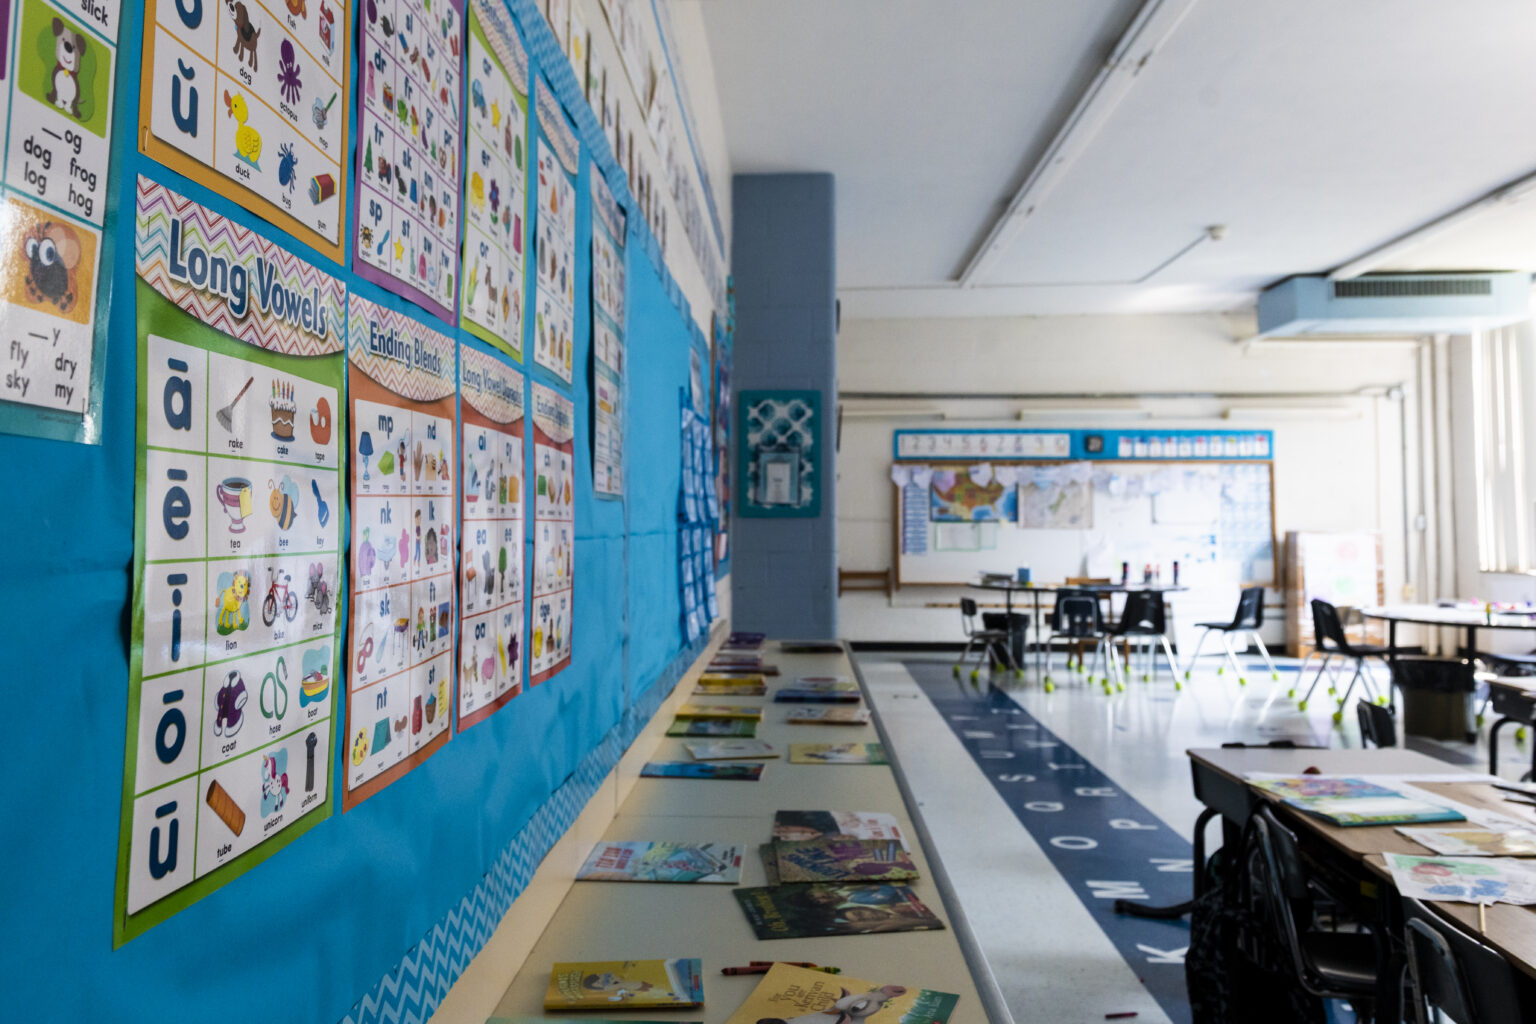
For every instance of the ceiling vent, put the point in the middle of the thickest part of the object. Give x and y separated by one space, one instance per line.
1395 304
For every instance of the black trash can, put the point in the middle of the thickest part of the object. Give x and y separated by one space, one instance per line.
1437 697
1017 625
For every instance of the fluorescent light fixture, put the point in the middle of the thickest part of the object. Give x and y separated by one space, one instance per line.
1252 413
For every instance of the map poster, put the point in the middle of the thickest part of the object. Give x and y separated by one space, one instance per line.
401 386
554 247
554 531
56 84
409 145
496 190
958 498
237 548
253 94
607 342
491 537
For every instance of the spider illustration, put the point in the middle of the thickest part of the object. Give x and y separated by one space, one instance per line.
288 73
287 166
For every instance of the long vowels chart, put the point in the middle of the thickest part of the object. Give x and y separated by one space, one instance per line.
56 84
400 386
238 519
554 248
607 341
409 149
491 536
495 186
254 93
554 533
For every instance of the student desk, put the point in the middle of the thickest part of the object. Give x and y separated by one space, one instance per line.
1455 618
631 920
1353 855
1102 590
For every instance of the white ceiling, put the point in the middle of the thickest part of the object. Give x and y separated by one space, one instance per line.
1316 130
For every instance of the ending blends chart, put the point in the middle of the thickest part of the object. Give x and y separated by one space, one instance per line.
491 570
253 92
410 136
401 386
554 311
554 532
607 341
56 83
236 556
496 194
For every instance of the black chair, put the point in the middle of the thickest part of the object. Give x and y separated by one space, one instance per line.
1077 616
1449 970
1330 964
1328 634
1512 706
991 641
1378 725
1145 617
1245 623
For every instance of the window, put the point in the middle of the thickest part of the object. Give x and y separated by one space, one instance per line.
1504 404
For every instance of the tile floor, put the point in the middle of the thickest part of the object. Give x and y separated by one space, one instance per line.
1056 951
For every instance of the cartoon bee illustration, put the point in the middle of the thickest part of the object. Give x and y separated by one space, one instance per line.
53 253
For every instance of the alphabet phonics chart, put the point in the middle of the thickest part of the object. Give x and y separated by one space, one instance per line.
253 92
554 316
491 564
496 192
56 81
400 649
554 531
235 565
607 341
409 152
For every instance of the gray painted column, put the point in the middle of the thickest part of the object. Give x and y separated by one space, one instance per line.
784 571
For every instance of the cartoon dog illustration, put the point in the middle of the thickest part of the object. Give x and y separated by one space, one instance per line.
52 251
246 36
68 48
850 1008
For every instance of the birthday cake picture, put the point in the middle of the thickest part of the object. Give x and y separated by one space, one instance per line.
283 409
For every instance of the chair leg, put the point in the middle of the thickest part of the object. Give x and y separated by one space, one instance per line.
970 645
1274 673
1189 668
1167 653
1226 646
1114 679
1338 714
1301 705
1301 673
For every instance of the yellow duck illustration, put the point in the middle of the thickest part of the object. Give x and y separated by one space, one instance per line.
477 190
247 139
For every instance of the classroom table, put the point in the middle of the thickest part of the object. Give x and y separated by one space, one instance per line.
1469 619
1039 645
1513 699
1354 854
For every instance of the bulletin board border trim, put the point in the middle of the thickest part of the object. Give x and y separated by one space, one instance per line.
1274 581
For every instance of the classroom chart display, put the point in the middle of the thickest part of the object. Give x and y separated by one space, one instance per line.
496 192
253 93
237 556
554 532
698 510
607 341
410 141
56 83
1098 445
400 386
554 248
491 536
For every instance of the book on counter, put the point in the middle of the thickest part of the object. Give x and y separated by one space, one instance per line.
728 750
738 658
804 911
789 993
810 647
611 984
713 727
718 669
746 686
797 695
744 641
709 679
701 770
792 825
662 862
837 753
748 711
1349 802
821 715
841 859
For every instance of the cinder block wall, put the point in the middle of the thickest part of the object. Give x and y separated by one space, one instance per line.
784 571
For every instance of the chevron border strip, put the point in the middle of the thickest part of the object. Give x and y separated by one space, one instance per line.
412 991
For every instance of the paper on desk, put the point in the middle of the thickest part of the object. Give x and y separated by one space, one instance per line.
1474 842
1463 879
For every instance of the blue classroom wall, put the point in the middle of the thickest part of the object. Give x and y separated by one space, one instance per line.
371 914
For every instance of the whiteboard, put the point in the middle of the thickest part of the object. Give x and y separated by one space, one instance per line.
1215 519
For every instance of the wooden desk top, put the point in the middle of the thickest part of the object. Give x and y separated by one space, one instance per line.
1510 929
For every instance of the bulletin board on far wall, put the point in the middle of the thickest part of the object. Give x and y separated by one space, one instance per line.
1082 503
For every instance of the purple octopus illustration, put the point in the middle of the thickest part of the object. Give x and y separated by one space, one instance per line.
288 73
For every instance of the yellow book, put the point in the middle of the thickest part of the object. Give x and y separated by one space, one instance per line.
798 993
613 984
720 711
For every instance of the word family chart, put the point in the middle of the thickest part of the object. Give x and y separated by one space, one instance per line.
554 531
554 317
236 572
410 132
401 384
253 92
491 570
607 341
56 83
